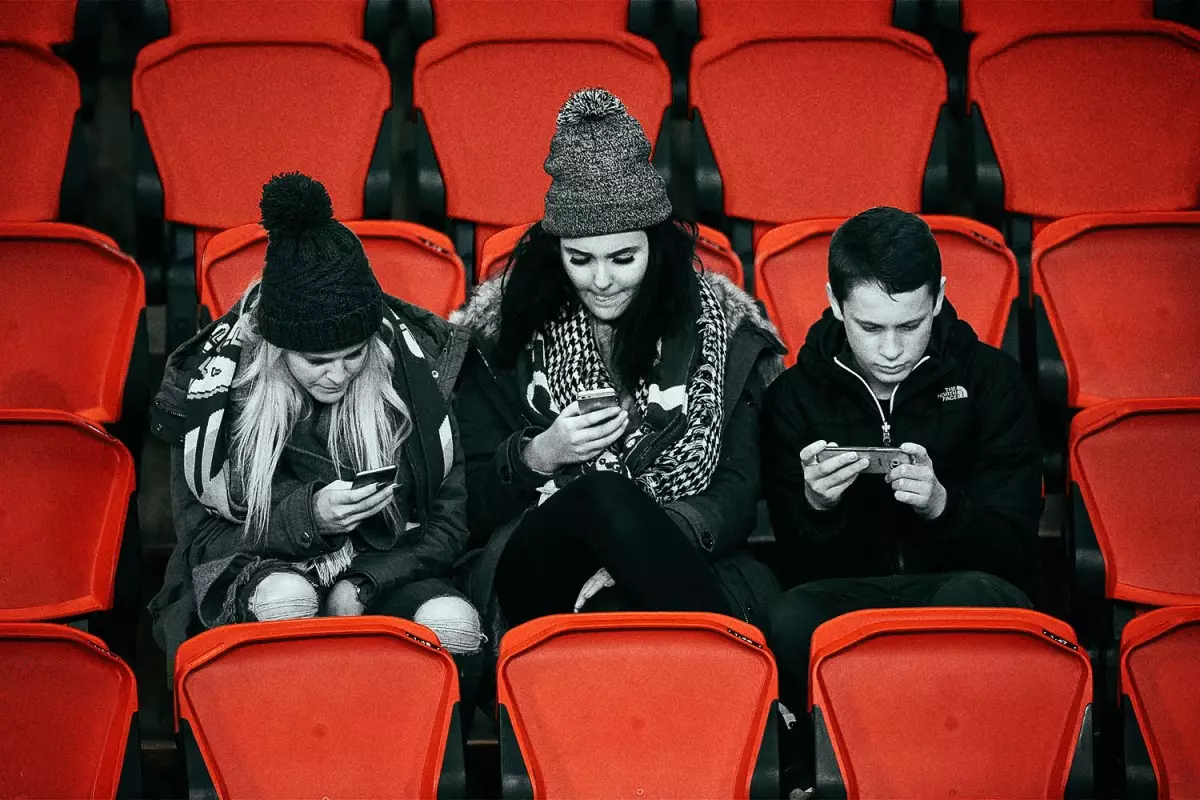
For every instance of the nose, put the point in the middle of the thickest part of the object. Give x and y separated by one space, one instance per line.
336 373
602 277
890 347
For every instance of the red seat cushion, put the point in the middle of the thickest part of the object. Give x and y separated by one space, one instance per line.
67 488
1100 119
341 19
1160 666
67 704
1136 475
218 136
41 96
70 302
410 261
792 268
1121 293
822 124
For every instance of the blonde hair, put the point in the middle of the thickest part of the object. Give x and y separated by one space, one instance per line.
367 425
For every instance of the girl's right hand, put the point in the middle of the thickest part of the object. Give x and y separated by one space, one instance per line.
575 438
338 509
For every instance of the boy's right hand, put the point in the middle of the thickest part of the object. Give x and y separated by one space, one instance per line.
575 438
826 481
338 509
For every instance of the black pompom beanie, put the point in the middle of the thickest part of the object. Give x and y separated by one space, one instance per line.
318 292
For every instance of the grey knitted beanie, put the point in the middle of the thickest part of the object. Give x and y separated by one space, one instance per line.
318 292
599 163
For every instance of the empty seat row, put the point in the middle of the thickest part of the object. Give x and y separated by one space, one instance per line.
906 702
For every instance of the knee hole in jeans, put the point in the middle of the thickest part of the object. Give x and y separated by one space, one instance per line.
283 595
455 621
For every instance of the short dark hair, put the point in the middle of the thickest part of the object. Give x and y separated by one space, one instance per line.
890 248
538 291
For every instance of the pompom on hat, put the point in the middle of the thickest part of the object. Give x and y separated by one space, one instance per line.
602 180
318 292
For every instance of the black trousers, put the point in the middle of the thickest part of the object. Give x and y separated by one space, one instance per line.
797 613
603 519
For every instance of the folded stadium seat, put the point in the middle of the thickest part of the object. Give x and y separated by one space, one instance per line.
789 122
72 304
1100 117
68 487
335 706
68 706
217 117
792 265
412 262
712 248
487 89
950 702
645 704
42 169
1160 666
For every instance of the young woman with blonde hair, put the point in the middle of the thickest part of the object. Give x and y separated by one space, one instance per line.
314 376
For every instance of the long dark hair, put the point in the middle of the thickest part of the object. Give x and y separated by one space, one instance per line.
537 291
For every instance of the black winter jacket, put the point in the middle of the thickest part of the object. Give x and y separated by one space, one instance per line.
967 404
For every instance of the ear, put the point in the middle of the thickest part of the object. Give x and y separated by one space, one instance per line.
833 303
941 295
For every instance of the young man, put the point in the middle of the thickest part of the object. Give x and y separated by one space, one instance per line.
890 365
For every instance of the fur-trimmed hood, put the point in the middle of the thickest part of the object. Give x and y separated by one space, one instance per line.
481 315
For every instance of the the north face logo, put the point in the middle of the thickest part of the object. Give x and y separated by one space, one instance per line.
952 393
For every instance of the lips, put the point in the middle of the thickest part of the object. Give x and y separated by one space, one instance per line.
892 370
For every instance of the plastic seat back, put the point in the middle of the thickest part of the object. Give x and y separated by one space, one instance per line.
217 136
410 261
489 101
613 705
818 124
485 18
1097 119
41 22
1160 666
746 17
989 16
337 707
1120 293
958 702
1132 463
267 18
67 489
41 97
67 705
792 268
712 248
70 303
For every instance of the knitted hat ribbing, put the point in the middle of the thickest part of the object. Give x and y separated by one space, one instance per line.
318 292
602 178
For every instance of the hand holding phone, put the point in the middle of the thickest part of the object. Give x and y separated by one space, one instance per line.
827 478
597 399
880 460
341 506
371 476
577 435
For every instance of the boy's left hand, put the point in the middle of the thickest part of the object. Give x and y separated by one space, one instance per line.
916 484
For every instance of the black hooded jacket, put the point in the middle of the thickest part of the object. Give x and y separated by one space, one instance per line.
966 403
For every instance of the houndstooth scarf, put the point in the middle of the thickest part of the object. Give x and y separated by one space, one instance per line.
674 452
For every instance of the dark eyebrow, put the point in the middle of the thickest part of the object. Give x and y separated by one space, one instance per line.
327 359
575 252
625 251
862 323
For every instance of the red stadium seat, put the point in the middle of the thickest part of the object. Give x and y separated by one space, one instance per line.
1133 477
412 262
712 248
41 99
488 87
652 704
335 706
759 17
989 16
41 22
71 302
1084 120
792 268
67 705
814 124
1160 666
318 19
1120 294
950 702
67 486
213 137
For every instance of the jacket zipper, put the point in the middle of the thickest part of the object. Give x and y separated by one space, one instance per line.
885 426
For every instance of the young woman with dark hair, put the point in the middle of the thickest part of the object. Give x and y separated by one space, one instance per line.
645 503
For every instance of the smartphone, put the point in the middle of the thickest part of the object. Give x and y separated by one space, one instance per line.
883 459
597 399
382 475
